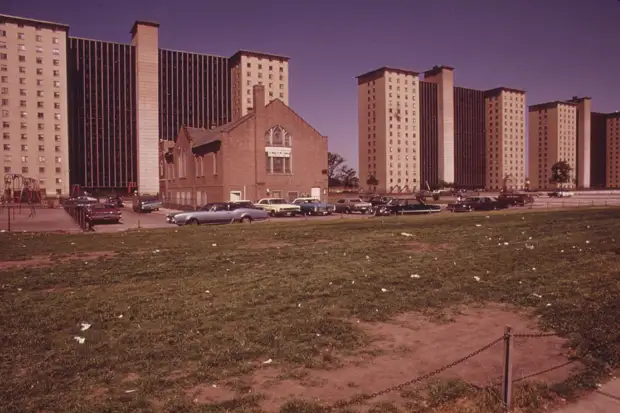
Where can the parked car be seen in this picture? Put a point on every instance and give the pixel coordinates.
(243, 202)
(515, 199)
(97, 213)
(561, 194)
(351, 205)
(218, 213)
(277, 207)
(313, 206)
(116, 201)
(477, 203)
(406, 207)
(380, 200)
(146, 204)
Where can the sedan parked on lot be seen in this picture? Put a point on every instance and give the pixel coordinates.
(278, 207)
(98, 213)
(351, 205)
(312, 206)
(561, 194)
(477, 203)
(146, 204)
(407, 207)
(515, 199)
(218, 213)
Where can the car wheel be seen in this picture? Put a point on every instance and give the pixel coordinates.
(192, 222)
(246, 220)
(272, 213)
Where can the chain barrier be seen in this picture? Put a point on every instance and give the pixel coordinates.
(534, 335)
(364, 397)
(538, 373)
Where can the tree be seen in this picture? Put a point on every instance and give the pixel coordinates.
(334, 164)
(348, 177)
(560, 173)
(339, 173)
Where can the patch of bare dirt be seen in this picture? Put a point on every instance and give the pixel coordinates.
(267, 245)
(425, 247)
(97, 393)
(131, 377)
(410, 346)
(43, 261)
(205, 394)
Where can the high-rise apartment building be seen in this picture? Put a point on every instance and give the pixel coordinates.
(553, 138)
(469, 146)
(505, 138)
(598, 150)
(194, 89)
(443, 77)
(613, 150)
(584, 138)
(33, 101)
(125, 98)
(429, 135)
(103, 125)
(389, 128)
(251, 68)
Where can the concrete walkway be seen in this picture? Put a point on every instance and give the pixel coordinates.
(604, 400)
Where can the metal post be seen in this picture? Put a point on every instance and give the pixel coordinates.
(8, 210)
(507, 385)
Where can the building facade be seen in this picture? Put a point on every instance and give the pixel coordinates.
(469, 146)
(613, 150)
(583, 119)
(33, 101)
(281, 154)
(251, 68)
(505, 138)
(103, 125)
(598, 150)
(553, 138)
(443, 77)
(125, 98)
(429, 135)
(389, 129)
(194, 90)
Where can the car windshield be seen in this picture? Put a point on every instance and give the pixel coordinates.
(277, 201)
(356, 200)
(207, 207)
(102, 206)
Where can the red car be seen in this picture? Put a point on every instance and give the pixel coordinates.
(102, 213)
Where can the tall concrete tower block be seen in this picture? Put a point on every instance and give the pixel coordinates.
(144, 36)
(443, 76)
(584, 121)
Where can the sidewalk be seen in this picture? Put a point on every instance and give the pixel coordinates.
(604, 400)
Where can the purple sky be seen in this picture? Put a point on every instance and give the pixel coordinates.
(554, 49)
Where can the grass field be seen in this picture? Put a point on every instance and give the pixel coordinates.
(177, 310)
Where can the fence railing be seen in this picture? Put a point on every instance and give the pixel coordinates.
(78, 213)
(507, 381)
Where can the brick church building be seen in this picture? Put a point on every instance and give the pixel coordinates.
(270, 152)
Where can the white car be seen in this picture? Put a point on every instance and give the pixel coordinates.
(278, 207)
(561, 194)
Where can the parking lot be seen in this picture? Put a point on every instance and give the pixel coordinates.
(57, 220)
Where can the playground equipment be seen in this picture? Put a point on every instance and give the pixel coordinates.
(19, 189)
